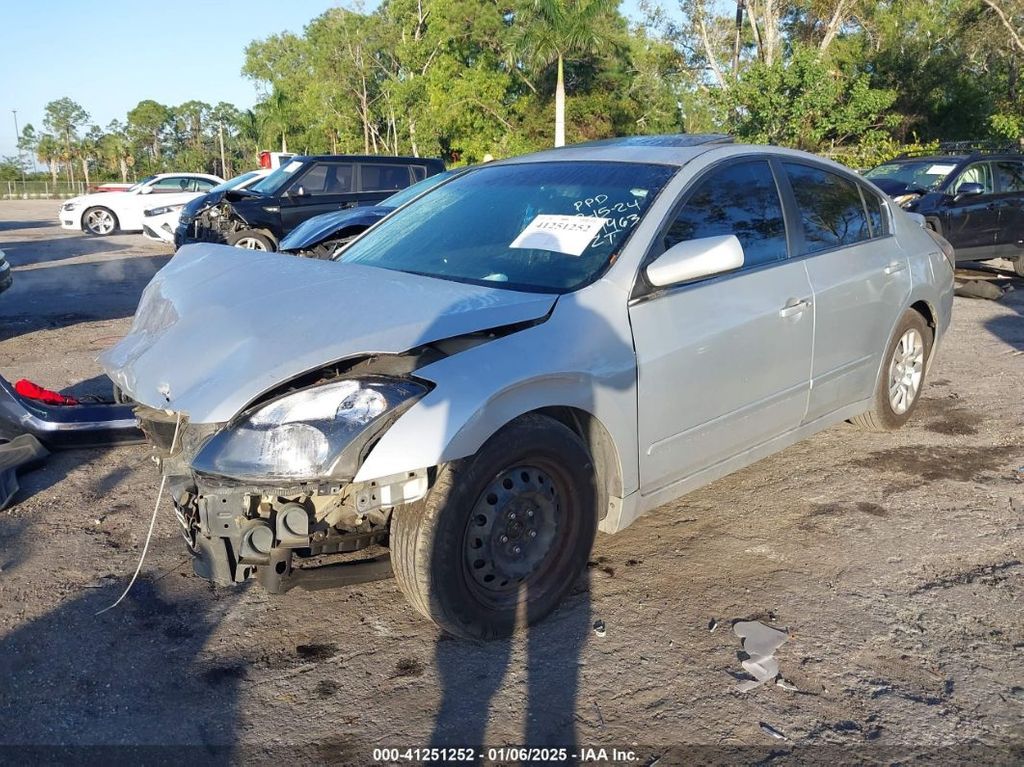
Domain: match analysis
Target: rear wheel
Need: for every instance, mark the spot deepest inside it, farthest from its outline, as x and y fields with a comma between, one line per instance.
x=99, y=221
x=503, y=533
x=904, y=367
x=251, y=239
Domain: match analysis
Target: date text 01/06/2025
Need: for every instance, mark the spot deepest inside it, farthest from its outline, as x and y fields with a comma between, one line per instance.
x=502, y=754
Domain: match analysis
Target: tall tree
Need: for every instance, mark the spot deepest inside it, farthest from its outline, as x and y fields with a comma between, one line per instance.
x=63, y=117
x=560, y=30
x=147, y=122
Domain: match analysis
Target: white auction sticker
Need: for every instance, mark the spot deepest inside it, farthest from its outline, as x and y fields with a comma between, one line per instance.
x=941, y=170
x=560, y=234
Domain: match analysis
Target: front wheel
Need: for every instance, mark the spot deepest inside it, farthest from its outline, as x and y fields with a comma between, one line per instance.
x=904, y=366
x=503, y=533
x=251, y=239
x=99, y=221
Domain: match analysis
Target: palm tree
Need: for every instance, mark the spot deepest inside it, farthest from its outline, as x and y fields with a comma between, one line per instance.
x=48, y=153
x=560, y=30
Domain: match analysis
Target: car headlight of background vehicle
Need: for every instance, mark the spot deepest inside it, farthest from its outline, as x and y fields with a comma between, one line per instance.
x=310, y=434
x=904, y=200
x=162, y=210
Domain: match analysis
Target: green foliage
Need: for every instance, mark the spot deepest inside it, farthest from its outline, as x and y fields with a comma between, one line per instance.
x=804, y=102
x=857, y=80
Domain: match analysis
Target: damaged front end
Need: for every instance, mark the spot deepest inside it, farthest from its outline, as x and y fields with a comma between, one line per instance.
x=270, y=495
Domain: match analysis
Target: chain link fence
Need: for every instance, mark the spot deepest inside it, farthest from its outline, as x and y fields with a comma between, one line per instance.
x=41, y=190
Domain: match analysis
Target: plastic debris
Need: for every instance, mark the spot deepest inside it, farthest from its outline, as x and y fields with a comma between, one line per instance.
x=786, y=685
x=760, y=643
x=777, y=734
x=599, y=628
x=712, y=624
x=34, y=391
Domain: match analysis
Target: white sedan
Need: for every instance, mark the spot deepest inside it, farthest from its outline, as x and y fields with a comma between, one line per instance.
x=160, y=222
x=108, y=212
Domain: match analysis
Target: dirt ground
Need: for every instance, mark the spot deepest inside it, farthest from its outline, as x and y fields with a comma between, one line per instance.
x=894, y=561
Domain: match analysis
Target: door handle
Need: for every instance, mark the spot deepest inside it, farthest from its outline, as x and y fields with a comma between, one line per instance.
x=895, y=266
x=794, y=307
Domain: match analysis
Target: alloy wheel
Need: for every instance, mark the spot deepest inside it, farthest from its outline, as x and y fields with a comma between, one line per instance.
x=99, y=221
x=906, y=369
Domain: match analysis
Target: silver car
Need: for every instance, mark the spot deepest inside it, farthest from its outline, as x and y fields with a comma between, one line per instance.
x=534, y=350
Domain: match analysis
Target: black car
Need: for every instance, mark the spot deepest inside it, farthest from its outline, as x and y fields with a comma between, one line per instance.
x=259, y=216
x=971, y=195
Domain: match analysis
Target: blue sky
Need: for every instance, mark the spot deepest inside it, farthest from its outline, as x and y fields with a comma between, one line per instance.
x=110, y=55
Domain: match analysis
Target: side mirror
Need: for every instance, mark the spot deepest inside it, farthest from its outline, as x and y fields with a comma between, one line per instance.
x=146, y=190
x=299, y=191
x=969, y=189
x=694, y=259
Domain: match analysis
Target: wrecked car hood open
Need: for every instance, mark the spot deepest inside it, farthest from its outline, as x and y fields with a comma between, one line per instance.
x=219, y=326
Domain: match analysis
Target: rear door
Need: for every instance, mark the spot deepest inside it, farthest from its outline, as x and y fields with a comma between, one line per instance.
x=861, y=282
x=1010, y=200
x=322, y=187
x=723, y=363
x=378, y=181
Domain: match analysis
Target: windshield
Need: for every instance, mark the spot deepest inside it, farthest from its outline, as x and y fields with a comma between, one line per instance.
x=547, y=227
x=924, y=174
x=398, y=199
x=142, y=183
x=277, y=179
x=235, y=182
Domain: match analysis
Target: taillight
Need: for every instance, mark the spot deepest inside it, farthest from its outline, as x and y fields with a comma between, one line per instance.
x=944, y=245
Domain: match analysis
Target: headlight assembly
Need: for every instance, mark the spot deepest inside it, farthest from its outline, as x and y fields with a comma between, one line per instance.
x=68, y=206
x=165, y=209
x=307, y=435
x=904, y=200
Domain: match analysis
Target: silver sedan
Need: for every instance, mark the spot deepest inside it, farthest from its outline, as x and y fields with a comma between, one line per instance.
x=532, y=351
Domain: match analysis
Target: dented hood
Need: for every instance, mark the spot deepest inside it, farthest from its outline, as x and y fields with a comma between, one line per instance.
x=219, y=326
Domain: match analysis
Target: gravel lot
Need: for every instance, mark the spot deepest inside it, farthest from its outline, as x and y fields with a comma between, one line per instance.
x=894, y=561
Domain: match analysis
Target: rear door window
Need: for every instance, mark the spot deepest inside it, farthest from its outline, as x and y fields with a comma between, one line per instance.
x=326, y=179
x=1010, y=176
x=740, y=199
x=384, y=178
x=832, y=212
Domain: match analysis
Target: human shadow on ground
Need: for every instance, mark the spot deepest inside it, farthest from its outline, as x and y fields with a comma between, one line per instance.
x=78, y=685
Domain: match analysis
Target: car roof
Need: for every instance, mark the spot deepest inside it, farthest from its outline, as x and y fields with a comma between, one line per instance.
x=378, y=158
x=186, y=174
x=672, y=150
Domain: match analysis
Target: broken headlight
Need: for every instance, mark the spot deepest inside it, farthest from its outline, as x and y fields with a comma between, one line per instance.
x=310, y=434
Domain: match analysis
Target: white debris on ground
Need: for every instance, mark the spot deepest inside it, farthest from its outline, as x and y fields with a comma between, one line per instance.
x=760, y=643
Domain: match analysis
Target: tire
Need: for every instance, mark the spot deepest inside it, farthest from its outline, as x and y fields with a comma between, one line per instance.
x=889, y=413
x=252, y=239
x=521, y=512
x=100, y=221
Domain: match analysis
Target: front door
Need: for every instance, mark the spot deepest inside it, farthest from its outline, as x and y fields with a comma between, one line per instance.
x=971, y=222
x=723, y=363
x=323, y=187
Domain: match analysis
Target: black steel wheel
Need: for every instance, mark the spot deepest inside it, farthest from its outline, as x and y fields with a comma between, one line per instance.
x=503, y=535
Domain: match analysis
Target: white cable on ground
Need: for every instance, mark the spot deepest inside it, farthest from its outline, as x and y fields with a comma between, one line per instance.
x=152, y=524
